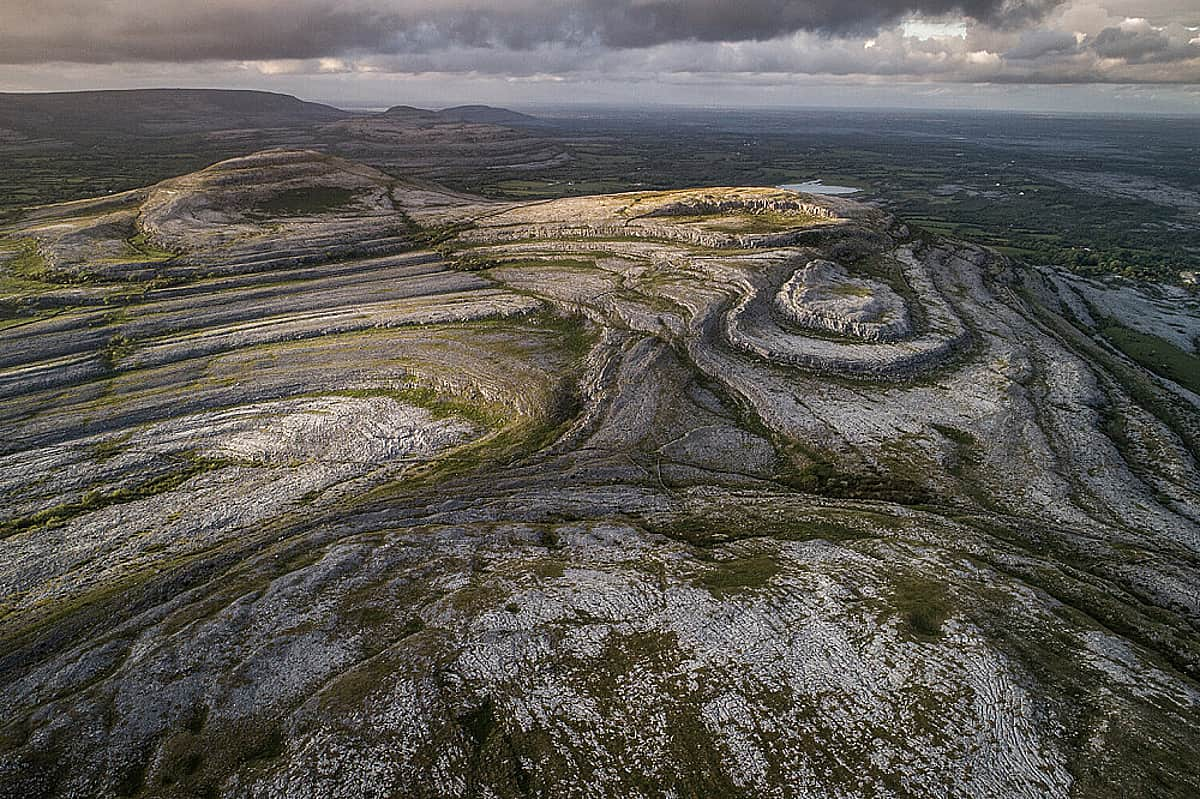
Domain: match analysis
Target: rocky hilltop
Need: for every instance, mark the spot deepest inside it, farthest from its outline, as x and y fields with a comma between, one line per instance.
x=50, y=144
x=316, y=482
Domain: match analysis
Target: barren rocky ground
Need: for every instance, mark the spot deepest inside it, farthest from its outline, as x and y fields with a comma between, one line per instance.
x=319, y=483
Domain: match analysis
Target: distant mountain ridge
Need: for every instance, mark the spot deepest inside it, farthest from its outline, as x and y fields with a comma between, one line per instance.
x=152, y=112
x=491, y=115
x=95, y=115
x=476, y=114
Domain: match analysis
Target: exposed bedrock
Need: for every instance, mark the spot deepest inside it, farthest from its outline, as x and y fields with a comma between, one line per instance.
x=848, y=346
x=822, y=296
x=705, y=206
x=274, y=210
x=214, y=207
x=363, y=488
x=649, y=231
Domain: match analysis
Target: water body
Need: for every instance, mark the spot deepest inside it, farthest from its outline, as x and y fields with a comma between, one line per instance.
x=817, y=187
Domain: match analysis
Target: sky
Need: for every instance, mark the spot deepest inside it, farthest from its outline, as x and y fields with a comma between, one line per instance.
x=1040, y=55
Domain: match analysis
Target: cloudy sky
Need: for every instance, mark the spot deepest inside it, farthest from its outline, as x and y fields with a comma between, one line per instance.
x=1102, y=55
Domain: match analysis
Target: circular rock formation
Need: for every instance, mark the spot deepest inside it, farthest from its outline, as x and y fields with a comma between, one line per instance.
x=822, y=296
x=857, y=327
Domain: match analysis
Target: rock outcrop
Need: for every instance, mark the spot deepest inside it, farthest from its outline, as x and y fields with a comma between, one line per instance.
x=822, y=296
x=370, y=488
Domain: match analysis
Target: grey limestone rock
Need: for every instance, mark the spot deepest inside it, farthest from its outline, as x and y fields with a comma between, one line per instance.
x=720, y=492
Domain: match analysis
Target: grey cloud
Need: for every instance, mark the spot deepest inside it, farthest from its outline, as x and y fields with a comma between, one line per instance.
x=639, y=23
x=1143, y=45
x=126, y=30
x=621, y=39
x=1040, y=43
x=123, y=30
x=1129, y=44
x=782, y=60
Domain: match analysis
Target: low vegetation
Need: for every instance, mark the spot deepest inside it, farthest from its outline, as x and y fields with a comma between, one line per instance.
x=304, y=201
x=100, y=498
x=1155, y=353
x=630, y=550
x=740, y=574
x=923, y=604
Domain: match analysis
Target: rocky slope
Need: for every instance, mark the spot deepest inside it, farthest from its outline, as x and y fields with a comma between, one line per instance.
x=317, y=482
x=436, y=144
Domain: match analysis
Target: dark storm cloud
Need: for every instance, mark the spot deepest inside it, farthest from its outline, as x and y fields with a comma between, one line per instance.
x=1138, y=42
x=1002, y=41
x=130, y=30
x=1129, y=45
x=642, y=23
x=1041, y=43
x=133, y=30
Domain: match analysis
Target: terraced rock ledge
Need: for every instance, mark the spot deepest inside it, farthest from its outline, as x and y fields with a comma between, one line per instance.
x=822, y=296
x=315, y=482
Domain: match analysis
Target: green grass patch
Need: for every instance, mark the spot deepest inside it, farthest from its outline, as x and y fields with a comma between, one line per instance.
x=1155, y=353
x=547, y=569
x=1169, y=409
x=142, y=248
x=304, y=201
x=626, y=654
x=14, y=286
x=740, y=574
x=923, y=605
x=826, y=478
x=110, y=447
x=98, y=500
x=119, y=346
x=850, y=290
x=960, y=438
x=24, y=259
x=440, y=405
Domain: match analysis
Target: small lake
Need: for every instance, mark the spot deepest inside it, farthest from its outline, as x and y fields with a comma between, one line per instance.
x=817, y=187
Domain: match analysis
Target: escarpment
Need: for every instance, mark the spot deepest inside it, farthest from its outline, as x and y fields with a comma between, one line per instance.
x=318, y=482
x=709, y=206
